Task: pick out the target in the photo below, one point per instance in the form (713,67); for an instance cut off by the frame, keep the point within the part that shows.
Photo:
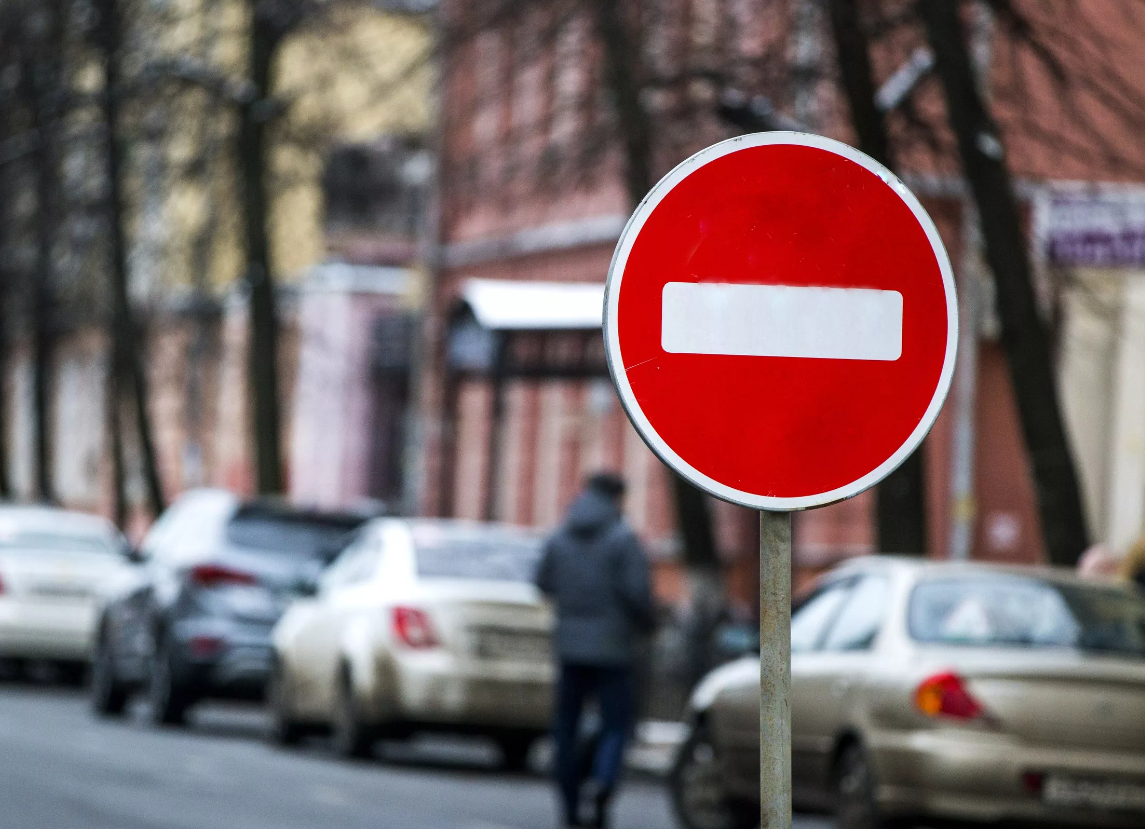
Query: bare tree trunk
(6,297)
(692,512)
(115,436)
(620,54)
(201,347)
(900,502)
(5,293)
(852,50)
(1024,335)
(127,361)
(41,77)
(263,347)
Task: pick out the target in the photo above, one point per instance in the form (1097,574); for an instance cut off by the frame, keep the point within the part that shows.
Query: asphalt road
(61,768)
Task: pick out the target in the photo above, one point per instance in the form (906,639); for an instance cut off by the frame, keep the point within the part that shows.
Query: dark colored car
(215,576)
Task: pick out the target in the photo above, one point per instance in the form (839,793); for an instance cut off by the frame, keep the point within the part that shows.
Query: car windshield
(1021,612)
(303,537)
(34,541)
(470,553)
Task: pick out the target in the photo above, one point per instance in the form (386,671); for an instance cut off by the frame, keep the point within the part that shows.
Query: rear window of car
(472,553)
(303,537)
(1021,612)
(39,542)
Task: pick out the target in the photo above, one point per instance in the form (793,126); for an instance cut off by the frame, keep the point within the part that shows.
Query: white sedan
(419,625)
(54,567)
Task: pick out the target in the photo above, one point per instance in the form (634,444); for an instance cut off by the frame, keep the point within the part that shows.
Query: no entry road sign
(780,321)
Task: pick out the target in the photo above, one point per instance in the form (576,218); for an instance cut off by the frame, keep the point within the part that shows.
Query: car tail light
(1032,782)
(413,628)
(945,695)
(219,575)
(206,645)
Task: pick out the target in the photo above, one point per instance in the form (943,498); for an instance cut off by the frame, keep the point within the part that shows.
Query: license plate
(516,645)
(60,591)
(1109,795)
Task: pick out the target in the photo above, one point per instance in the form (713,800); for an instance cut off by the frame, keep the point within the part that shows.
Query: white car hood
(743,671)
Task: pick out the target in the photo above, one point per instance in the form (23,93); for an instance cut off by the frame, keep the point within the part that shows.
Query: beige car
(925,691)
(54,568)
(419,625)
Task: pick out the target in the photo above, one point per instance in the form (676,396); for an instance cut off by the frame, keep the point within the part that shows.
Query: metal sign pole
(699,411)
(775,670)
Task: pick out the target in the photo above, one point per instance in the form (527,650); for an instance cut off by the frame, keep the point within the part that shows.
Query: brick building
(513,403)
(533,200)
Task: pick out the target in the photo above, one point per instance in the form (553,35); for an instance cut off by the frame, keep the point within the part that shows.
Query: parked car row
(922,692)
(927,692)
(391,627)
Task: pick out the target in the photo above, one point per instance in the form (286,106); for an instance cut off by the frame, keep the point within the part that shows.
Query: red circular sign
(780,321)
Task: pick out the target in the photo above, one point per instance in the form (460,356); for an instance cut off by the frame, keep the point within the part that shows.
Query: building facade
(533,194)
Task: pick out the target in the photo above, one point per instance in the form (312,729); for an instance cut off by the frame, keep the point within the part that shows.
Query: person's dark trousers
(612,689)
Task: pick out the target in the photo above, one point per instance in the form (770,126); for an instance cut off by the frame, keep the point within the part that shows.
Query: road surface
(61,768)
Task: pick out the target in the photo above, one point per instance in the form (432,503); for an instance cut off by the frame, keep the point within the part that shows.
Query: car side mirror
(134,554)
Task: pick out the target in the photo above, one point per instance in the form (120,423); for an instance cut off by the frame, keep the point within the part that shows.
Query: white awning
(344,278)
(501,304)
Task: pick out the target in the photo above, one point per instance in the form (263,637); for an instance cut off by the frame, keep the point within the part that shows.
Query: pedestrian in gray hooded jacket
(595,571)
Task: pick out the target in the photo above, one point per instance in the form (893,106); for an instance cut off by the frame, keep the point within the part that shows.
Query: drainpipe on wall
(424,326)
(964,442)
(964,508)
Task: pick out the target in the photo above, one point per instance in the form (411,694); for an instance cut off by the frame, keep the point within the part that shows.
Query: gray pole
(965,442)
(775,670)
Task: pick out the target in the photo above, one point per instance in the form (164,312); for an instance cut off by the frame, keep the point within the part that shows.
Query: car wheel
(856,805)
(284,730)
(697,788)
(109,696)
(169,702)
(515,751)
(72,673)
(352,737)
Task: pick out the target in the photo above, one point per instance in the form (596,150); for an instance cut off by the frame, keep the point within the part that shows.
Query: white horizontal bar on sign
(781,321)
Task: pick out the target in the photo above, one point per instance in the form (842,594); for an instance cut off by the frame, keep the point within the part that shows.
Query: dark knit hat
(607,483)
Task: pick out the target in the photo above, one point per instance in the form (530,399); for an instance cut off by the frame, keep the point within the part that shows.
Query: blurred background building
(444,187)
(346,178)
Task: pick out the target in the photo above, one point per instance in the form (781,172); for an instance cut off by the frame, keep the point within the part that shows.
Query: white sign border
(612,339)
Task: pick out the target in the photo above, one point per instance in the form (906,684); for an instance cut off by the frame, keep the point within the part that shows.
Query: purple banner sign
(1103,231)
(1098,250)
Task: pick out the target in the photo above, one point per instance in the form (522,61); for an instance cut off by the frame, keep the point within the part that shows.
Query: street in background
(60,768)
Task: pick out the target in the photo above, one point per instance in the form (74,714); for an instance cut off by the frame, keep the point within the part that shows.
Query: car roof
(924,568)
(53,518)
(279,508)
(281,511)
(462,525)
